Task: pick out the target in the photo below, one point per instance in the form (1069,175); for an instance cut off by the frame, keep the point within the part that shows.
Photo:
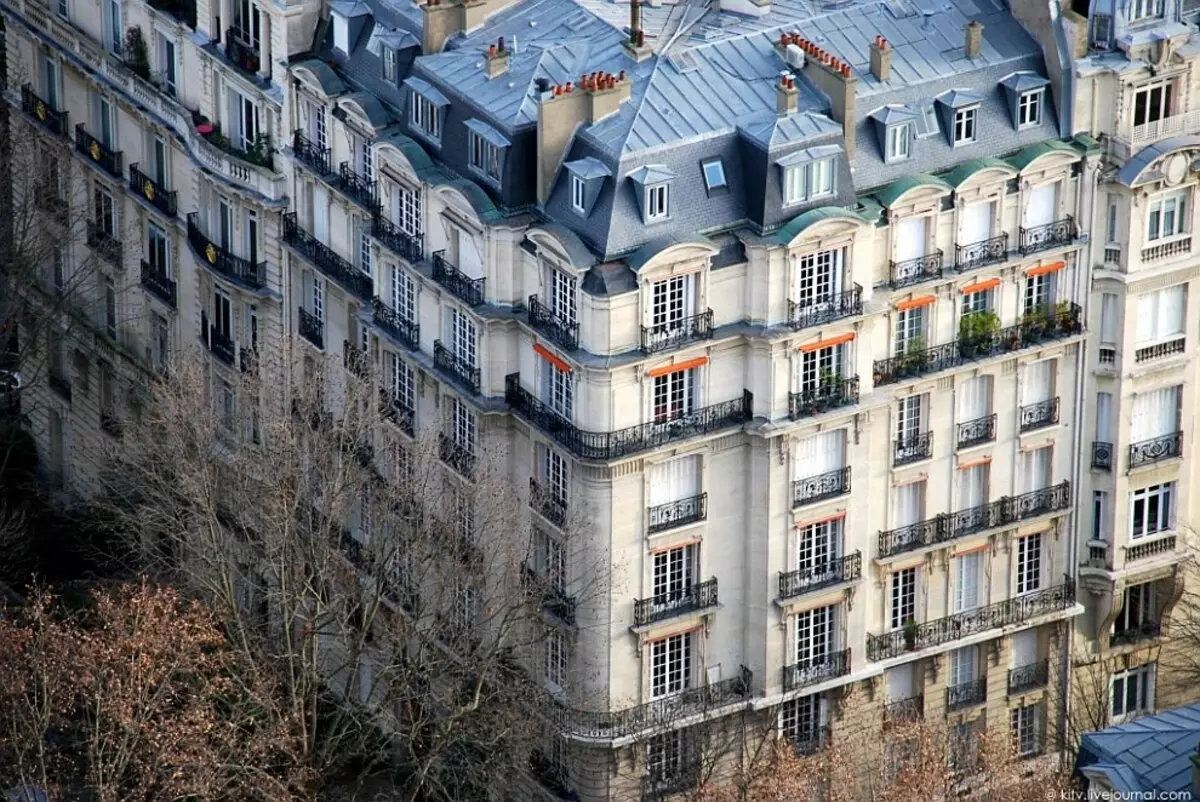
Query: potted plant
(916,358)
(137,54)
(910,634)
(1036,321)
(977,332)
(1066,316)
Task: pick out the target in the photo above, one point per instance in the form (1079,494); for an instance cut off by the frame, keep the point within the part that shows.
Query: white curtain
(910,239)
(1024,648)
(908,503)
(974,399)
(820,454)
(976,223)
(320,213)
(900,682)
(1160,314)
(962,665)
(674,481)
(1108,318)
(1103,417)
(1155,414)
(1041,207)
(1039,382)
(966,581)
(1037,469)
(972,487)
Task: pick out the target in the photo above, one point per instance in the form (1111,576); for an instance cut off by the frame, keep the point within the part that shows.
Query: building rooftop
(1149,754)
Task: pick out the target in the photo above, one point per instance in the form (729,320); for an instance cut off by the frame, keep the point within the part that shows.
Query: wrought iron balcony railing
(978,254)
(1102,456)
(1028,677)
(547,504)
(312,328)
(50,118)
(359,188)
(903,711)
(405,332)
(326,259)
(241,271)
(394,410)
(822,575)
(1147,630)
(824,309)
(461,371)
(700,596)
(241,53)
(661,784)
(1049,235)
(101,240)
(978,431)
(678,513)
(456,455)
(1002,512)
(966,694)
(557,329)
(914,271)
(310,154)
(1039,415)
(1016,610)
(666,336)
(148,188)
(219,343)
(912,449)
(356,360)
(810,742)
(623,442)
(827,394)
(553,598)
(468,290)
(397,240)
(821,487)
(816,669)
(1162,448)
(98,153)
(155,280)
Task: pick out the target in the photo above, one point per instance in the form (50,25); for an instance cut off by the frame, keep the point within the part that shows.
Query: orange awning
(1042,270)
(913,303)
(832,341)
(980,286)
(975,463)
(678,366)
(827,519)
(551,357)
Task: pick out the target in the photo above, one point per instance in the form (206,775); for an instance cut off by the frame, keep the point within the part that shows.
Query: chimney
(974,40)
(881,59)
(442,19)
(495,60)
(786,95)
(561,109)
(835,78)
(635,46)
(606,92)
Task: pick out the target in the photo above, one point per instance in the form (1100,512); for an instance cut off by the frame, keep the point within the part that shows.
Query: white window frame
(403,293)
(673,573)
(341,32)
(809,181)
(816,635)
(556,659)
(671,665)
(1142,679)
(403,380)
(1167,215)
(559,390)
(814,364)
(463,426)
(658,201)
(1024,723)
(1029,108)
(1145,9)
(1152,506)
(966,125)
(902,596)
(898,139)
(1166,96)
(464,337)
(486,157)
(425,115)
(388,56)
(564,295)
(578,194)
(674,395)
(1029,563)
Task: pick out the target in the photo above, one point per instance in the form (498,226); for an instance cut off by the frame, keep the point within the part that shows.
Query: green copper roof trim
(962,172)
(797,224)
(1022,158)
(892,192)
(1087,144)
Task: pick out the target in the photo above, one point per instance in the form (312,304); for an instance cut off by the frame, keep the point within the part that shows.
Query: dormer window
(714,176)
(487,148)
(809,181)
(653,186)
(341,33)
(426,105)
(388,56)
(658,199)
(587,178)
(1029,108)
(1026,95)
(964,125)
(1145,9)
(897,143)
(578,194)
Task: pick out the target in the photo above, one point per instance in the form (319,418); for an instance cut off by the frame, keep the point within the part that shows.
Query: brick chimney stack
(495,60)
(881,59)
(786,95)
(563,108)
(974,39)
(835,78)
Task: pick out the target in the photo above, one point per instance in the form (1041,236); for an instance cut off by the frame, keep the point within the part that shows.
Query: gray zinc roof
(1149,754)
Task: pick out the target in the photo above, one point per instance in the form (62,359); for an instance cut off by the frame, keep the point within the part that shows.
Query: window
(981,301)
(674,395)
(968,571)
(1029,563)
(1156,414)
(106,215)
(964,125)
(425,115)
(164,48)
(250,326)
(1160,315)
(63,7)
(403,293)
(1152,103)
(1040,291)
(51,84)
(364,247)
(578,194)
(558,389)
(1138,609)
(817,546)
(673,574)
(1099,514)
(909,417)
(897,143)
(110,308)
(1133,692)
(402,381)
(556,659)
(462,337)
(554,476)
(1111,226)
(406,209)
(672,302)
(316,296)
(801,720)
(815,635)
(227,399)
(388,56)
(1145,9)
(1029,108)
(466,605)
(243,120)
(670,665)
(485,156)
(658,201)
(808,181)
(158,249)
(904,597)
(79,362)
(341,33)
(1108,318)
(910,329)
(668,757)
(114,28)
(964,664)
(107,389)
(106,122)
(821,369)
(1167,216)
(160,337)
(317,130)
(563,294)
(818,277)
(1150,510)
(462,423)
(364,159)
(1024,723)
(714,176)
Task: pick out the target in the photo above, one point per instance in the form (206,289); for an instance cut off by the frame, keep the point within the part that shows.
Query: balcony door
(158,162)
(968,570)
(317,131)
(816,547)
(910,500)
(1039,383)
(975,399)
(1042,205)
(1035,467)
(818,278)
(820,454)
(674,575)
(816,636)
(972,487)
(911,239)
(222,315)
(1155,414)
(976,223)
(1024,648)
(320,214)
(964,666)
(676,480)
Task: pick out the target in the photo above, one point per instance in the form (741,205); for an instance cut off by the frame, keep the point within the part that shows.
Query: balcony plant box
(910,635)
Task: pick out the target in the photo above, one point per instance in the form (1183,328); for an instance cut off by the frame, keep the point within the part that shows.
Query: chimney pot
(500,44)
(881,59)
(491,50)
(974,39)
(622,75)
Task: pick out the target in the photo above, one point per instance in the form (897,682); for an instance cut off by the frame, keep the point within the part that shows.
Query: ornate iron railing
(914,271)
(235,268)
(700,596)
(834,572)
(812,489)
(547,504)
(405,245)
(558,330)
(456,455)
(309,154)
(912,449)
(1049,235)
(966,694)
(828,394)
(156,281)
(1039,415)
(50,118)
(1146,630)
(1149,452)
(825,309)
(106,246)
(623,442)
(977,254)
(356,360)
(219,343)
(982,619)
(1002,512)
(312,328)
(463,372)
(98,153)
(1028,677)
(978,431)
(468,290)
(143,185)
(666,336)
(811,742)
(358,188)
(678,513)
(326,259)
(817,669)
(406,332)
(904,711)
(1102,456)
(394,410)
(241,53)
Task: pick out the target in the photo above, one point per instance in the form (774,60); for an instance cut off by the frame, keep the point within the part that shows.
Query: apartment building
(786,304)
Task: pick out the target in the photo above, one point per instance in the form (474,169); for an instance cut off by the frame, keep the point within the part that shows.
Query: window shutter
(1040,210)
(1024,651)
(977,223)
(910,239)
(1103,417)
(1108,318)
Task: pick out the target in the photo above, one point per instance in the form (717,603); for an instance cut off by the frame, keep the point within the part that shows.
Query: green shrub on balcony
(137,55)
(977,331)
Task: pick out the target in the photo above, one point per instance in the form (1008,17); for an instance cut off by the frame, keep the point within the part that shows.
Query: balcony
(821,487)
(554,599)
(356,360)
(309,154)
(148,188)
(1023,679)
(825,309)
(1097,554)
(980,254)
(1005,511)
(903,711)
(218,342)
(1166,250)
(693,598)
(1040,325)
(1009,612)
(397,412)
(405,245)
(966,694)
(312,328)
(1135,551)
(915,271)
(817,669)
(326,259)
(405,332)
(547,504)
(1174,125)
(60,385)
(827,394)
(1047,236)
(467,290)
(912,449)
(666,336)
(155,280)
(242,54)
(631,440)
(52,120)
(678,513)
(810,743)
(357,187)
(104,244)
(98,153)
(1039,415)
(461,371)
(823,575)
(1160,350)
(241,271)
(557,329)
(1102,456)
(678,779)
(1147,630)
(457,456)
(977,432)
(1149,452)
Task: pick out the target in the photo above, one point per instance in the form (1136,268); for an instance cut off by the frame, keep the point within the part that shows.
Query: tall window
(51,83)
(106,122)
(818,277)
(485,156)
(158,249)
(964,125)
(1160,315)
(904,597)
(817,546)
(820,368)
(1152,103)
(106,215)
(658,198)
(556,658)
(1150,510)
(406,209)
(801,719)
(1029,563)
(563,295)
(1138,609)
(578,194)
(673,574)
(462,425)
(1167,216)
(670,665)
(1100,515)
(968,572)
(317,130)
(1040,291)
(110,308)
(425,115)
(910,329)
(403,294)
(672,301)
(1133,692)
(1029,107)
(114,27)
(164,47)
(243,120)
(364,247)
(1024,723)
(897,143)
(558,389)
(402,380)
(463,341)
(815,635)
(554,476)
(674,395)
(388,55)
(909,418)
